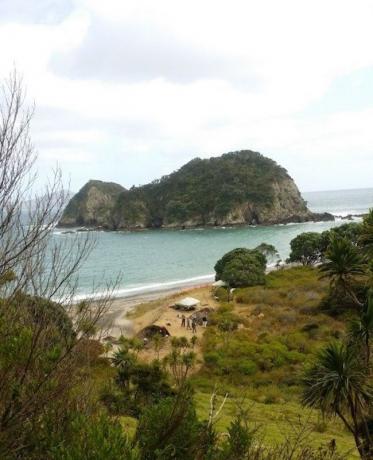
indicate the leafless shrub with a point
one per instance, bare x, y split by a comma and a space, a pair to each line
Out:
40, 324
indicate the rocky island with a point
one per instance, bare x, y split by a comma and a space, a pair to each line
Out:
236, 188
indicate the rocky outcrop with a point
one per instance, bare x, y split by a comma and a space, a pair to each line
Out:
92, 206
237, 188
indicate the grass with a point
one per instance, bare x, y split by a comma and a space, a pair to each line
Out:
275, 421
280, 329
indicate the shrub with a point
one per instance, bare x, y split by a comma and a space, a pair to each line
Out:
241, 267
306, 248
168, 429
93, 438
247, 367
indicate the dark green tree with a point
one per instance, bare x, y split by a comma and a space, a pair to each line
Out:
269, 251
338, 384
343, 264
241, 267
361, 330
366, 235
306, 248
169, 429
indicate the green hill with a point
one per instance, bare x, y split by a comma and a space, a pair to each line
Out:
236, 188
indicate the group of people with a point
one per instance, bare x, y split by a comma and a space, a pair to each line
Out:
192, 323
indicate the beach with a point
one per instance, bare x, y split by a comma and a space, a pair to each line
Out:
128, 316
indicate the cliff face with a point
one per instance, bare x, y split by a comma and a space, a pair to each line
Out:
237, 188
92, 205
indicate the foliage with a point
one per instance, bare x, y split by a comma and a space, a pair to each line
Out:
241, 267
351, 231
203, 191
366, 234
269, 252
169, 429
136, 384
306, 248
92, 438
180, 360
338, 384
361, 330
343, 264
78, 211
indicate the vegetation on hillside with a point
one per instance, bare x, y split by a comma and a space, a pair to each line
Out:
239, 187
77, 211
241, 267
298, 336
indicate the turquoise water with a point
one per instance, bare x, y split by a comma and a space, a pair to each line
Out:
154, 259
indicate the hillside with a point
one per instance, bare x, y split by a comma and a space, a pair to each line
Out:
92, 205
236, 188
260, 362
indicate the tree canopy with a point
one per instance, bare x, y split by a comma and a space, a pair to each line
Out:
241, 267
306, 248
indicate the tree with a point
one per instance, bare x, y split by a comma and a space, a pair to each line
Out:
361, 330
306, 248
169, 429
158, 342
343, 264
38, 337
366, 234
241, 267
351, 231
269, 252
338, 384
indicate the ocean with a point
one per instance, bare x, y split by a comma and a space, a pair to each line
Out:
153, 260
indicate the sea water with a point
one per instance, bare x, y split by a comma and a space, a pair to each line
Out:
159, 259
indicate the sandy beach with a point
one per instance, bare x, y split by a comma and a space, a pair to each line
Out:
127, 316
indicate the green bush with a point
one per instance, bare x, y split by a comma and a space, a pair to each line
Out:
168, 429
306, 248
93, 438
241, 267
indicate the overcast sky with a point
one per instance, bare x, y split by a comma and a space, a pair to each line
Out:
129, 90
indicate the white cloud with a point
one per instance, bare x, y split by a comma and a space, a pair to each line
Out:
171, 80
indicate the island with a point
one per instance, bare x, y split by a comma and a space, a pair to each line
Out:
237, 188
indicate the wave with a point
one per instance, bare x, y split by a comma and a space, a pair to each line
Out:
349, 212
149, 288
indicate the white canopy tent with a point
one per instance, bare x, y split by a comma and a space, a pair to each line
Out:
219, 283
187, 302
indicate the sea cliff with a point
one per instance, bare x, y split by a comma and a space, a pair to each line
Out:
236, 188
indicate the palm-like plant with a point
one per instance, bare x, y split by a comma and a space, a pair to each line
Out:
338, 384
361, 329
343, 263
366, 234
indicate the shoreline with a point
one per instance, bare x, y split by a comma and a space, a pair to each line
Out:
152, 291
115, 321
317, 217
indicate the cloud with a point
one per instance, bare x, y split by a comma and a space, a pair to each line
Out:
128, 91
126, 54
40, 11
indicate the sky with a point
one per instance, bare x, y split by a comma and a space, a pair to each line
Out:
130, 90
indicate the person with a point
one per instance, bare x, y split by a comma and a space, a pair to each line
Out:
194, 326
182, 320
188, 323
204, 321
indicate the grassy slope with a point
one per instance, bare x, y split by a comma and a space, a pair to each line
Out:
275, 421
279, 319
284, 312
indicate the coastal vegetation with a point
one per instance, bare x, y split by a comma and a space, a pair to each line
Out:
241, 267
291, 346
241, 187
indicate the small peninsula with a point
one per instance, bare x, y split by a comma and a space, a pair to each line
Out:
236, 188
